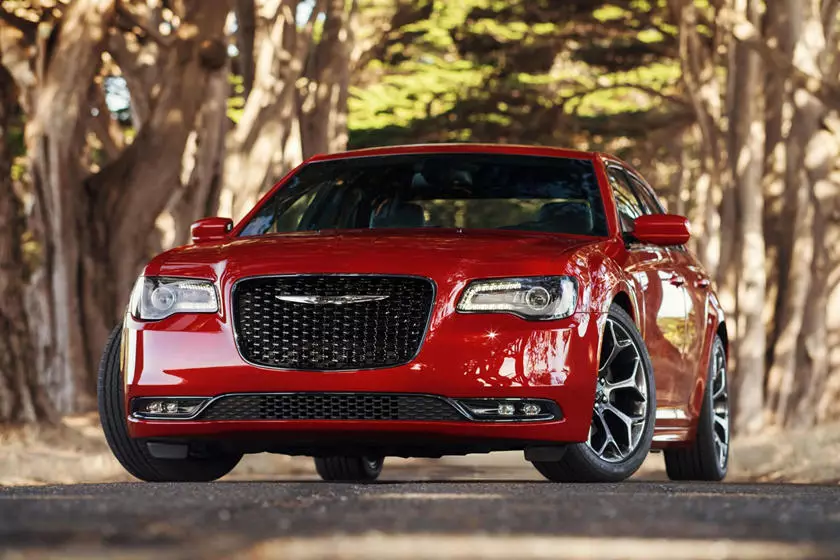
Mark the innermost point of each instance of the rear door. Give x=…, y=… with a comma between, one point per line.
x=663, y=305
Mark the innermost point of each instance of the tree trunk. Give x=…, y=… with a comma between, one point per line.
x=800, y=349
x=65, y=70
x=266, y=141
x=22, y=396
x=699, y=63
x=828, y=402
x=324, y=106
x=246, y=18
x=812, y=357
x=131, y=193
x=202, y=177
x=297, y=106
x=747, y=148
x=95, y=228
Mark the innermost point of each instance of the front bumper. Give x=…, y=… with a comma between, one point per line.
x=462, y=357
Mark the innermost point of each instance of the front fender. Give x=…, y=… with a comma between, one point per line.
x=604, y=282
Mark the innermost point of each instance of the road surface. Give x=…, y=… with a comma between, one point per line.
x=431, y=519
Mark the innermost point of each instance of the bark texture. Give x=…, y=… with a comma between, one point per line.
x=324, y=105
x=746, y=120
x=22, y=396
x=64, y=67
x=297, y=106
x=799, y=367
x=93, y=225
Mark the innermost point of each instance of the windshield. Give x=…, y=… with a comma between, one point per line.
x=468, y=191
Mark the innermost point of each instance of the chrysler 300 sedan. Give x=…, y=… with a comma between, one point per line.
x=422, y=301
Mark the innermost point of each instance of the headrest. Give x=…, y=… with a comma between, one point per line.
x=567, y=217
x=399, y=215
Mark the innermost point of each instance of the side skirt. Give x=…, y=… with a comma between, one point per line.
x=673, y=428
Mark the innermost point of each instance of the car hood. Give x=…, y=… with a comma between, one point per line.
x=439, y=254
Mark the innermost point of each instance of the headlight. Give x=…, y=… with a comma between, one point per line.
x=156, y=298
x=541, y=297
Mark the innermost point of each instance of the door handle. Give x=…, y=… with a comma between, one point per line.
x=677, y=280
x=702, y=283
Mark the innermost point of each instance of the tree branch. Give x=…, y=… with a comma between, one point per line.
x=746, y=33
x=653, y=92
x=28, y=27
x=136, y=21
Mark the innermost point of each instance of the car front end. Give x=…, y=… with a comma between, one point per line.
x=390, y=345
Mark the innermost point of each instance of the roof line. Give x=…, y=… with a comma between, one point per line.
x=459, y=147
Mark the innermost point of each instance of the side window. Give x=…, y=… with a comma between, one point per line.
x=628, y=205
x=643, y=192
x=651, y=204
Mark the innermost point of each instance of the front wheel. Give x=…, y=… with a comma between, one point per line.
x=624, y=414
x=132, y=454
x=349, y=469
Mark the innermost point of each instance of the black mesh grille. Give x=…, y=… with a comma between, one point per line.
x=325, y=336
x=331, y=406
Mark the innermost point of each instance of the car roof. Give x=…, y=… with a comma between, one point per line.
x=509, y=149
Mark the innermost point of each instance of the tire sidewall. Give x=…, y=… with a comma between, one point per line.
x=625, y=468
x=705, y=432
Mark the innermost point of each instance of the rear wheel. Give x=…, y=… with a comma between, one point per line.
x=707, y=458
x=349, y=469
x=131, y=453
x=624, y=414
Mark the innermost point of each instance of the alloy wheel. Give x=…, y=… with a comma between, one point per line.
x=621, y=398
x=720, y=406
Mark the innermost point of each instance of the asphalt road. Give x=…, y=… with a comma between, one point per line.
x=444, y=519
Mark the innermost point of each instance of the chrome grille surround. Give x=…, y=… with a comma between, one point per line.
x=280, y=322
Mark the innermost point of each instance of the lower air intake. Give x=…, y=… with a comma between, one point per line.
x=332, y=406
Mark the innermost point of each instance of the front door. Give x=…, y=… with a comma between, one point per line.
x=663, y=307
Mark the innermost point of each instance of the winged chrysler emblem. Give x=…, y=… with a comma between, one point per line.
x=330, y=300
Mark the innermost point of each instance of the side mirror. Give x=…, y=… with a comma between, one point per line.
x=662, y=229
x=210, y=229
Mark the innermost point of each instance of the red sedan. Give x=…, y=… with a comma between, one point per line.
x=423, y=301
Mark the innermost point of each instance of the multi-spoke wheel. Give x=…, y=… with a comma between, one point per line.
x=707, y=457
x=621, y=398
x=623, y=416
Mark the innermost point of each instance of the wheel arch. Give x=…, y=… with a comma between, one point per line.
x=622, y=299
x=716, y=327
x=723, y=333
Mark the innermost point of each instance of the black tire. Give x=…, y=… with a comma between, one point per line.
x=349, y=469
x=580, y=463
x=700, y=460
x=131, y=453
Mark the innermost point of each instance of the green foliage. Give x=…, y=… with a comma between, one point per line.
x=420, y=77
x=236, y=100
x=572, y=72
x=17, y=151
